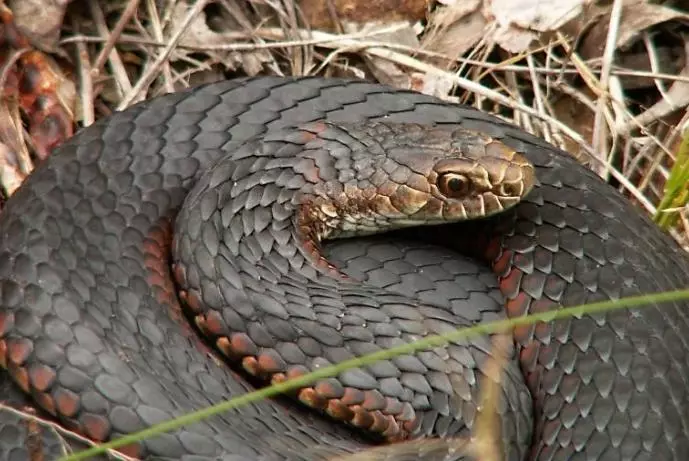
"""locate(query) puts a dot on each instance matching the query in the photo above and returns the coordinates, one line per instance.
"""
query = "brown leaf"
(636, 17)
(318, 14)
(199, 34)
(536, 15)
(40, 20)
(455, 29)
(385, 70)
(578, 116)
(434, 84)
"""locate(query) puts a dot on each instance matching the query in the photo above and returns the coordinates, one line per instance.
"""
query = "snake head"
(410, 175)
(481, 178)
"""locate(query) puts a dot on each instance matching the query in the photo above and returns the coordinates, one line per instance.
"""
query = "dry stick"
(150, 74)
(61, 431)
(474, 87)
(88, 114)
(112, 38)
(335, 42)
(592, 84)
(538, 97)
(599, 135)
(487, 442)
(271, 35)
(656, 160)
(118, 70)
(158, 34)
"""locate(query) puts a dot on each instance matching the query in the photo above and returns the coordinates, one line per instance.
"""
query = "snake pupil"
(454, 185)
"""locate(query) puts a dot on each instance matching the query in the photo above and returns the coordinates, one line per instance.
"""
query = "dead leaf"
(454, 30)
(40, 20)
(434, 84)
(536, 15)
(519, 22)
(514, 39)
(675, 98)
(385, 70)
(578, 116)
(642, 16)
(199, 34)
(636, 18)
(318, 14)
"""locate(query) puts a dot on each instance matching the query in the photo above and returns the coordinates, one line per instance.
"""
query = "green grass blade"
(676, 192)
(425, 343)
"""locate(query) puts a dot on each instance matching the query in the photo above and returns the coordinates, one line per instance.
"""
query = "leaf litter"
(607, 81)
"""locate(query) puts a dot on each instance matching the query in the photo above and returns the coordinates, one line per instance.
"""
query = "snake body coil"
(91, 328)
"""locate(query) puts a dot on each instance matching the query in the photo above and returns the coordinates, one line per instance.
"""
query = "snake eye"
(454, 185)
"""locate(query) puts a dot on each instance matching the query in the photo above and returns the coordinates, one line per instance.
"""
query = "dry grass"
(126, 51)
(622, 119)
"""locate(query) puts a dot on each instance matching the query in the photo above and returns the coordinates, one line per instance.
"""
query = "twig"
(85, 82)
(150, 74)
(60, 430)
(275, 34)
(118, 70)
(599, 138)
(114, 35)
(157, 28)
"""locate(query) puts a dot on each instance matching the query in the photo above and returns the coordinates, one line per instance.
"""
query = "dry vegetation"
(608, 81)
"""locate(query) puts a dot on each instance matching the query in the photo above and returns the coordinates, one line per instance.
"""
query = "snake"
(296, 222)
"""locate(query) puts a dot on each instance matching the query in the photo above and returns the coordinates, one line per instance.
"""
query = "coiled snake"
(91, 329)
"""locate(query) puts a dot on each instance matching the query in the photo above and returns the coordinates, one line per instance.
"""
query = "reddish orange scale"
(542, 305)
(373, 400)
(42, 377)
(393, 431)
(327, 390)
(250, 364)
(511, 283)
(308, 396)
(19, 350)
(517, 306)
(67, 403)
(215, 324)
(362, 418)
(3, 354)
(155, 279)
(179, 274)
(502, 264)
(132, 451)
(278, 378)
(339, 410)
(352, 396)
(200, 322)
(6, 323)
(242, 344)
(393, 406)
(193, 302)
(268, 364)
(529, 355)
(224, 345)
(46, 401)
(95, 427)
(296, 372)
(380, 422)
(21, 377)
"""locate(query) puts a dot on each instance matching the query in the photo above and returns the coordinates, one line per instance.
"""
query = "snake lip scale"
(246, 181)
